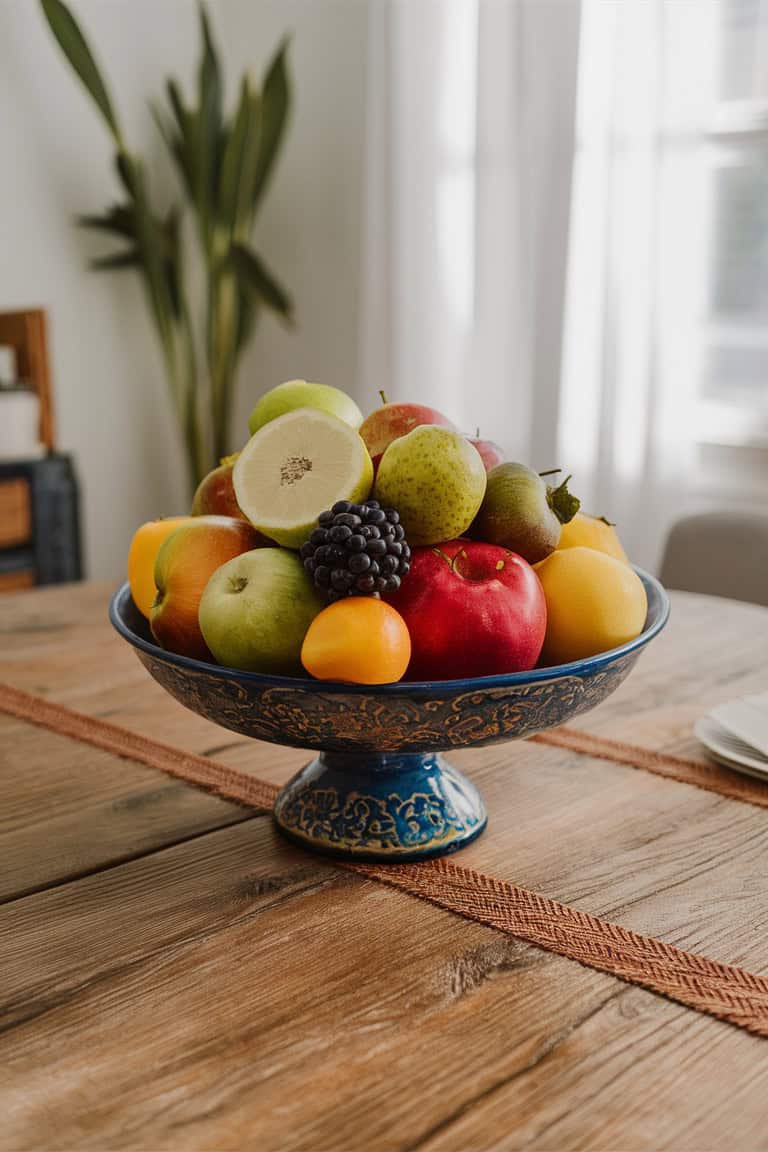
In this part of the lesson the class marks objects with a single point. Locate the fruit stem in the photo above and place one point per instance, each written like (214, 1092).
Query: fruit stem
(562, 502)
(461, 553)
(383, 395)
(605, 520)
(551, 472)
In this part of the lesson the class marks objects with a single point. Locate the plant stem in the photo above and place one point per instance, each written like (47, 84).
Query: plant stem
(223, 316)
(174, 329)
(181, 372)
(198, 461)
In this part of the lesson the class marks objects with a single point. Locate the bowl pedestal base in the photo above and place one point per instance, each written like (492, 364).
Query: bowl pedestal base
(380, 806)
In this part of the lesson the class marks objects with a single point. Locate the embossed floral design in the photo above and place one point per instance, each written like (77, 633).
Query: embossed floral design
(425, 817)
(365, 819)
(371, 822)
(322, 816)
(411, 721)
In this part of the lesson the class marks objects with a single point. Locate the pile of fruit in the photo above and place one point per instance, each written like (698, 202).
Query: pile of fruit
(372, 550)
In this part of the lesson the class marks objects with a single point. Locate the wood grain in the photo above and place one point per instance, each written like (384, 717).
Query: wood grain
(229, 991)
(71, 809)
(174, 894)
(237, 991)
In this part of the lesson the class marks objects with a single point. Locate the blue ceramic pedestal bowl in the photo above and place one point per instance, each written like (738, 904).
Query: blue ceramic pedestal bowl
(380, 788)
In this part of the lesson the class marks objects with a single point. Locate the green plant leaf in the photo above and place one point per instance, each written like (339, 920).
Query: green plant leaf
(150, 242)
(253, 275)
(252, 146)
(170, 229)
(185, 143)
(128, 259)
(118, 219)
(239, 136)
(171, 139)
(75, 47)
(246, 316)
(176, 101)
(249, 166)
(208, 127)
(275, 108)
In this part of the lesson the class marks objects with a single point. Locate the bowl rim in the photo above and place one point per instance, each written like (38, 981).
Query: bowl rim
(584, 667)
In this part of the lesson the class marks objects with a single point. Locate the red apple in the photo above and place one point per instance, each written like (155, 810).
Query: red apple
(184, 565)
(490, 452)
(215, 496)
(392, 421)
(472, 609)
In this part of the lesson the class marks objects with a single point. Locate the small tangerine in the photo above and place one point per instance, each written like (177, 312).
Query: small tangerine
(360, 640)
(145, 545)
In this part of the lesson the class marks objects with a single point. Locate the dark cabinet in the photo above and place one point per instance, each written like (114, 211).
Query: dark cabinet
(39, 523)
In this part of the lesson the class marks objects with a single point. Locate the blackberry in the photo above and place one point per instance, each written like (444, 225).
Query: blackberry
(356, 550)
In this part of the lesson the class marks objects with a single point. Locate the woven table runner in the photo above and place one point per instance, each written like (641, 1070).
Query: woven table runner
(700, 773)
(722, 990)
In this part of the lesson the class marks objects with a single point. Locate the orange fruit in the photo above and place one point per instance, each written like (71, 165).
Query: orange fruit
(360, 640)
(141, 559)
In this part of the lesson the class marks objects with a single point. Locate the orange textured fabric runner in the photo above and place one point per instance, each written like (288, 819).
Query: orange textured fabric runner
(727, 992)
(701, 774)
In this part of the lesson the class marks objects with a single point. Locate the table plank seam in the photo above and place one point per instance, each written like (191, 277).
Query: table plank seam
(169, 949)
(550, 1046)
(608, 1085)
(128, 858)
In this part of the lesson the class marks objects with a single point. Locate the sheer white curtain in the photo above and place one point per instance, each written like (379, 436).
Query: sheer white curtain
(483, 202)
(639, 268)
(470, 140)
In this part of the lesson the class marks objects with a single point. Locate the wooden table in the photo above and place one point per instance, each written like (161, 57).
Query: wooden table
(174, 975)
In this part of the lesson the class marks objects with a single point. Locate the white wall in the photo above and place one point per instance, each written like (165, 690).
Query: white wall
(55, 160)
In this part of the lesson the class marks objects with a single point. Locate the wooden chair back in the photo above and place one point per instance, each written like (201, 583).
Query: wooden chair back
(25, 332)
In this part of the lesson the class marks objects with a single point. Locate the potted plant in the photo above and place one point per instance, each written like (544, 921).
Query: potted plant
(224, 163)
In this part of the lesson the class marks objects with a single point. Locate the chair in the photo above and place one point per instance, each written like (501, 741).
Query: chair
(719, 553)
(25, 332)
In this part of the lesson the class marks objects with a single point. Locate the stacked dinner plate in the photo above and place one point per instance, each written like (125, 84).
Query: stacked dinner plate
(736, 734)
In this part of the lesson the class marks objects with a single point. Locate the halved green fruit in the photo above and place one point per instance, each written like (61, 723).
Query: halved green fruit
(294, 468)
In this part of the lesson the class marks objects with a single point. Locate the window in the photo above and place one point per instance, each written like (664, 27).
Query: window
(670, 220)
(735, 379)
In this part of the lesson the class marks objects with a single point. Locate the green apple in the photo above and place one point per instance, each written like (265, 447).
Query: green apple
(303, 394)
(435, 479)
(256, 609)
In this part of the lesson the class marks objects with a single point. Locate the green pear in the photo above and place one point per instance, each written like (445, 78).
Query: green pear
(522, 512)
(435, 479)
(255, 612)
(304, 394)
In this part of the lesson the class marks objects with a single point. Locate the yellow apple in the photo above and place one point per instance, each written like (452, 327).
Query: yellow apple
(184, 565)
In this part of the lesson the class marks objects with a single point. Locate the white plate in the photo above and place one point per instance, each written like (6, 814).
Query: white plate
(747, 719)
(728, 749)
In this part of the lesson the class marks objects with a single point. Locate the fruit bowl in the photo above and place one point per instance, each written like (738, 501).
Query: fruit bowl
(380, 787)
